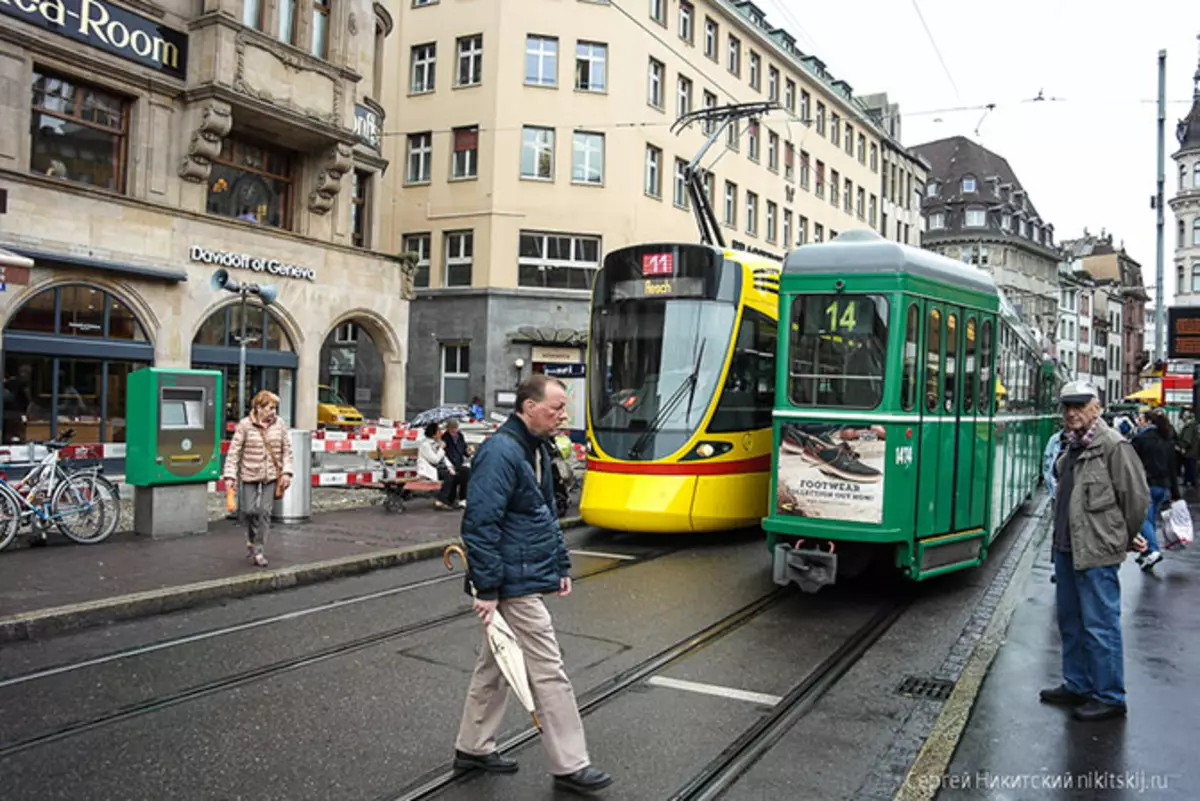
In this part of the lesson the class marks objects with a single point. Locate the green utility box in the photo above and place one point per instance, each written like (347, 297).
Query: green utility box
(173, 427)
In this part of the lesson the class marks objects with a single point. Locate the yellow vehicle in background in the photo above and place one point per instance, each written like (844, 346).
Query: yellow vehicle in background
(333, 411)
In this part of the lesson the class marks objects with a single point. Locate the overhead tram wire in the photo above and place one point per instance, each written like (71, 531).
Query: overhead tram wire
(937, 50)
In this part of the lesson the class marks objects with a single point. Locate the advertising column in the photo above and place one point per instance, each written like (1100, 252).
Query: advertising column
(566, 364)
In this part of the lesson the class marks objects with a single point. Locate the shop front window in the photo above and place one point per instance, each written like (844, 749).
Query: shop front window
(67, 353)
(251, 183)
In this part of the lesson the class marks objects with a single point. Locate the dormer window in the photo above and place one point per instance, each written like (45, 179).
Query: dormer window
(976, 218)
(1006, 222)
(931, 189)
(937, 221)
(968, 184)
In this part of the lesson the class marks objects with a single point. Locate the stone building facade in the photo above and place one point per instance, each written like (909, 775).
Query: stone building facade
(145, 144)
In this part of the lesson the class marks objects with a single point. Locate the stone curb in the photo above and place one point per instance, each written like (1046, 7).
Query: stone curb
(43, 623)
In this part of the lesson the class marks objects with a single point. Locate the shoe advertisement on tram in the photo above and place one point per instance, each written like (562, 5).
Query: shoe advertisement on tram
(832, 471)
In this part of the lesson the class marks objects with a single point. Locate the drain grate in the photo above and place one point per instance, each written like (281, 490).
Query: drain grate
(924, 687)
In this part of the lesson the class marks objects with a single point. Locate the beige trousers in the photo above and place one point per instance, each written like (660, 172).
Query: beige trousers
(483, 713)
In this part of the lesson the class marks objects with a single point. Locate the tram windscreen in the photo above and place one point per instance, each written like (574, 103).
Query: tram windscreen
(661, 330)
(838, 349)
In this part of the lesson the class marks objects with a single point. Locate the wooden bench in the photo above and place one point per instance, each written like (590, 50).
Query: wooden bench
(400, 481)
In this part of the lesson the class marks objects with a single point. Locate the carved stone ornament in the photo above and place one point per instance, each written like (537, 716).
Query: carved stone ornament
(300, 62)
(334, 166)
(408, 266)
(215, 121)
(352, 24)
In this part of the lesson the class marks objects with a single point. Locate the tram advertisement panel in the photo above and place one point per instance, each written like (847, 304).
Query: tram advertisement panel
(831, 471)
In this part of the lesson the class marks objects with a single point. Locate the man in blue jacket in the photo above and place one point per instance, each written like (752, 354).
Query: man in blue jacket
(515, 554)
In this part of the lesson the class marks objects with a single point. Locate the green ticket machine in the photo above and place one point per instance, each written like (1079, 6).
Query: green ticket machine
(173, 447)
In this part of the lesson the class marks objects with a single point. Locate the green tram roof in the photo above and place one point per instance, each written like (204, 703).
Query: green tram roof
(866, 252)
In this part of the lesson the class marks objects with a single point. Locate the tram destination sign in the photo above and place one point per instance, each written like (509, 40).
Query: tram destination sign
(1183, 332)
(244, 261)
(109, 28)
(665, 287)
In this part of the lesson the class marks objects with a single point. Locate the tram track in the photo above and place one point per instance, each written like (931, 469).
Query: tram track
(249, 676)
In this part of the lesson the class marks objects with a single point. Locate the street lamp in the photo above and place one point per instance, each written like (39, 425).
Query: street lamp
(222, 280)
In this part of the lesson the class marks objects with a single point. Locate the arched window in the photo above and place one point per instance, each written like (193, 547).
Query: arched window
(1182, 234)
(1196, 176)
(271, 360)
(1196, 231)
(1182, 177)
(67, 351)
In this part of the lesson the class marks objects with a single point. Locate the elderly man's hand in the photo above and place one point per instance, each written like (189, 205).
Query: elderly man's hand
(1139, 544)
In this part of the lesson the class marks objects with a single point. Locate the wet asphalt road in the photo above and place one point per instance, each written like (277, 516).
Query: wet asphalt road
(282, 710)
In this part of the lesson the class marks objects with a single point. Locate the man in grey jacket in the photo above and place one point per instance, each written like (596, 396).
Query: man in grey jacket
(1099, 507)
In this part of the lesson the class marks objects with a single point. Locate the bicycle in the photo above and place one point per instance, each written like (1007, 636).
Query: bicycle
(57, 496)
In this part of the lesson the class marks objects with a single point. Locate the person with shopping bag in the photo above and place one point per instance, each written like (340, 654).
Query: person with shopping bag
(260, 462)
(516, 553)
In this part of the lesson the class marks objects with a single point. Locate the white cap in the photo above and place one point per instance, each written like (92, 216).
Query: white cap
(1078, 392)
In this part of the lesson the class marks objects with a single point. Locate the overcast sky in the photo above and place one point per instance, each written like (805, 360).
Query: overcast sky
(1088, 158)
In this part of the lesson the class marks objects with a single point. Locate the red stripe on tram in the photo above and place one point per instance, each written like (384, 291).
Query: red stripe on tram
(759, 464)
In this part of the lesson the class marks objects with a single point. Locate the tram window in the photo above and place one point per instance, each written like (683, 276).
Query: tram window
(951, 361)
(987, 384)
(749, 392)
(933, 346)
(908, 377)
(838, 350)
(969, 368)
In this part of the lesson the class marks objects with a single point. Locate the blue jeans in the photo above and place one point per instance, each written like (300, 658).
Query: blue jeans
(1089, 622)
(1160, 498)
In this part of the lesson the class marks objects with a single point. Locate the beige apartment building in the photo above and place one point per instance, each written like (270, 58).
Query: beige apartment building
(533, 136)
(146, 143)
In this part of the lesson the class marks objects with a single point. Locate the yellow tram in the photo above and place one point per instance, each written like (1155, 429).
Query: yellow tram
(681, 383)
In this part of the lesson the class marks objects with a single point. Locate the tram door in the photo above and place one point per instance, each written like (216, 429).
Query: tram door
(968, 511)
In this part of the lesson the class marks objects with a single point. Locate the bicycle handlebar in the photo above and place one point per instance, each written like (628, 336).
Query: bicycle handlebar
(59, 444)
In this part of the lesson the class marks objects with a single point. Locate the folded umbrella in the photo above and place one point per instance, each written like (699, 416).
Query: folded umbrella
(505, 649)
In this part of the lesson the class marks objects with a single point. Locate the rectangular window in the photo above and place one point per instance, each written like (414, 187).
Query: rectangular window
(287, 21)
(537, 153)
(654, 83)
(710, 188)
(835, 130)
(837, 350)
(252, 17)
(862, 149)
(859, 202)
(268, 174)
(820, 190)
(653, 184)
(755, 71)
(712, 35)
(752, 140)
(557, 261)
(320, 29)
(801, 230)
(789, 95)
(681, 192)
(470, 60)
(874, 157)
(818, 232)
(683, 99)
(772, 216)
(658, 11)
(731, 204)
(735, 56)
(710, 101)
(772, 151)
(772, 83)
(976, 218)
(786, 237)
(420, 158)
(79, 133)
(460, 250)
(751, 213)
(424, 64)
(360, 209)
(872, 210)
(591, 67)
(848, 196)
(465, 162)
(686, 15)
(749, 391)
(937, 221)
(419, 244)
(804, 170)
(908, 369)
(835, 188)
(732, 138)
(789, 162)
(821, 119)
(456, 374)
(849, 139)
(587, 158)
(805, 107)
(541, 60)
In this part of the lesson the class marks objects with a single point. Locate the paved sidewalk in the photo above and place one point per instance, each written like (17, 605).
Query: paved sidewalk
(48, 589)
(1014, 747)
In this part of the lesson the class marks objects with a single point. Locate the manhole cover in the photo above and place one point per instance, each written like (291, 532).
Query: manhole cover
(924, 687)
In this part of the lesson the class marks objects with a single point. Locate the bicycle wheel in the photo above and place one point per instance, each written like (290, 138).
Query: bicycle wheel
(10, 515)
(80, 509)
(107, 494)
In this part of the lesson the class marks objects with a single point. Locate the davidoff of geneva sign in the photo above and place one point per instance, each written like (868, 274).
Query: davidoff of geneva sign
(244, 261)
(109, 28)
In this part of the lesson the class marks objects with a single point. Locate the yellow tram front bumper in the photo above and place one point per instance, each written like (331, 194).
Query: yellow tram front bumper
(673, 503)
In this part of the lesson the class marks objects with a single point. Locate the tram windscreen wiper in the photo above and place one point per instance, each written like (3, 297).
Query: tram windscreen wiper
(688, 385)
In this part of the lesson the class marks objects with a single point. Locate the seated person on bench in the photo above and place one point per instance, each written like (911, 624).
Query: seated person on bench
(457, 451)
(433, 465)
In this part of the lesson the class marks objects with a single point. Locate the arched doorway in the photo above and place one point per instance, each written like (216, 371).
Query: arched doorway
(67, 351)
(271, 359)
(352, 370)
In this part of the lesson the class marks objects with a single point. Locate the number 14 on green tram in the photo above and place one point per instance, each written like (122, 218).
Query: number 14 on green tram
(912, 408)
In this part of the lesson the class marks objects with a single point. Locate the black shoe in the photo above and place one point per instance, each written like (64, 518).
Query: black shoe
(1061, 696)
(492, 763)
(585, 780)
(1098, 710)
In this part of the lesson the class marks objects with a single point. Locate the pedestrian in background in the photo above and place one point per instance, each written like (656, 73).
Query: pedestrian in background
(1154, 443)
(433, 465)
(516, 553)
(457, 453)
(260, 460)
(1189, 447)
(1101, 503)
(1049, 457)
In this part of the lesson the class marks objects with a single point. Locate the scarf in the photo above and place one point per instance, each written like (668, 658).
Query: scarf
(1071, 439)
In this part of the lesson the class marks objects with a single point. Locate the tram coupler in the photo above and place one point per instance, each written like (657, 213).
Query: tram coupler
(807, 567)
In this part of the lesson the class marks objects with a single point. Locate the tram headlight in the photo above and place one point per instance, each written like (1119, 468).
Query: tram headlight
(707, 450)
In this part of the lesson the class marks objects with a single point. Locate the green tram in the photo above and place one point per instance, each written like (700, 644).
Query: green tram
(912, 409)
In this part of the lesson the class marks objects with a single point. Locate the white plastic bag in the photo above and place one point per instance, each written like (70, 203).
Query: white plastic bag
(1177, 525)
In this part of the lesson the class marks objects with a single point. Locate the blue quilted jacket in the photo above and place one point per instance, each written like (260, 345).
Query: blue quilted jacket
(514, 544)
